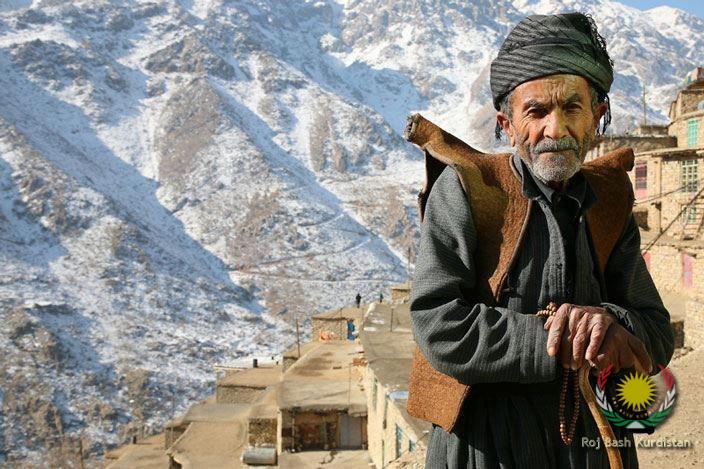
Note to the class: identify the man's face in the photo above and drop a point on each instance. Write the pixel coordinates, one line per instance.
(552, 125)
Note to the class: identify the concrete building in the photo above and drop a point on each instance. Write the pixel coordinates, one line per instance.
(388, 349)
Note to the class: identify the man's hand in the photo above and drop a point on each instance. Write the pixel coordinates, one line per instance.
(592, 333)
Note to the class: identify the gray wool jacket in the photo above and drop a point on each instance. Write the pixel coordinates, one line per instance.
(489, 346)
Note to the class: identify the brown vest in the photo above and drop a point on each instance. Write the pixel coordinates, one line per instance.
(500, 212)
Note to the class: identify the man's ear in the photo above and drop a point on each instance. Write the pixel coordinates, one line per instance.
(505, 124)
(599, 113)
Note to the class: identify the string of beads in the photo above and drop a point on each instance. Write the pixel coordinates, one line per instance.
(566, 431)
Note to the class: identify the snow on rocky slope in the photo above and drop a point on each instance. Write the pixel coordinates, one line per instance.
(179, 180)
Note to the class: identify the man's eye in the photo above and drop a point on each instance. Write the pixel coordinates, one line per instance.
(536, 112)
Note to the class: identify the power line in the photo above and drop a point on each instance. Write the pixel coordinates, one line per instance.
(699, 182)
(679, 214)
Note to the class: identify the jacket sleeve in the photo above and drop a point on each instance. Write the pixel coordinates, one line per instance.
(470, 341)
(633, 298)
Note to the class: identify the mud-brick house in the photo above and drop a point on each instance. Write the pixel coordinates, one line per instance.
(321, 402)
(388, 349)
(337, 324)
(246, 386)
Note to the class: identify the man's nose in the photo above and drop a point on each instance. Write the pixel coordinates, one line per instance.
(555, 126)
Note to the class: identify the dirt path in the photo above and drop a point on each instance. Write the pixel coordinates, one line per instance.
(685, 424)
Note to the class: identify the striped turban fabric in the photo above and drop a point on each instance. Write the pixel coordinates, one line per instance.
(542, 45)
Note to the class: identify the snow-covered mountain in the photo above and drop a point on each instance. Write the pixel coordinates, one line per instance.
(179, 180)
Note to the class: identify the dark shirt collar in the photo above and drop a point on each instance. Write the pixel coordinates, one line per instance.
(578, 188)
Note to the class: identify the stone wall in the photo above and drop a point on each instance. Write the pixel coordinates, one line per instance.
(262, 431)
(666, 267)
(285, 431)
(687, 101)
(237, 394)
(399, 295)
(336, 326)
(679, 129)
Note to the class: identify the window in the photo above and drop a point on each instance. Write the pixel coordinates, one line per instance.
(689, 215)
(412, 445)
(692, 132)
(641, 179)
(399, 441)
(690, 175)
(374, 392)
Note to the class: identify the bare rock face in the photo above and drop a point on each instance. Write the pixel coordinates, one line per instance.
(189, 120)
(189, 55)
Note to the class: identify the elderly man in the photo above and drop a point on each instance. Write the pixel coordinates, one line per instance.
(498, 245)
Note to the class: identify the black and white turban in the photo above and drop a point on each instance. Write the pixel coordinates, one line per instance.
(542, 45)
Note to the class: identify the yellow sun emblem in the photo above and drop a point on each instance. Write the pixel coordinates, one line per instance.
(636, 391)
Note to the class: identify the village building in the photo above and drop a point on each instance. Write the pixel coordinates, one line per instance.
(388, 344)
(668, 179)
(401, 292)
(246, 386)
(337, 324)
(321, 402)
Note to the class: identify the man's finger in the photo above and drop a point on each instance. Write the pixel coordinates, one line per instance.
(556, 328)
(579, 342)
(575, 315)
(596, 336)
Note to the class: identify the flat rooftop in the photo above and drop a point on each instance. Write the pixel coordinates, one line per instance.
(146, 454)
(388, 347)
(210, 412)
(211, 444)
(324, 379)
(260, 377)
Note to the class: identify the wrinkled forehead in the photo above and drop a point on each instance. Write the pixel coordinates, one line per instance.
(555, 89)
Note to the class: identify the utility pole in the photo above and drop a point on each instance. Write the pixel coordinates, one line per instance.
(645, 117)
(298, 339)
(80, 451)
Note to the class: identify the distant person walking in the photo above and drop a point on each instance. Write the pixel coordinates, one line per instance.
(381, 297)
(358, 299)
